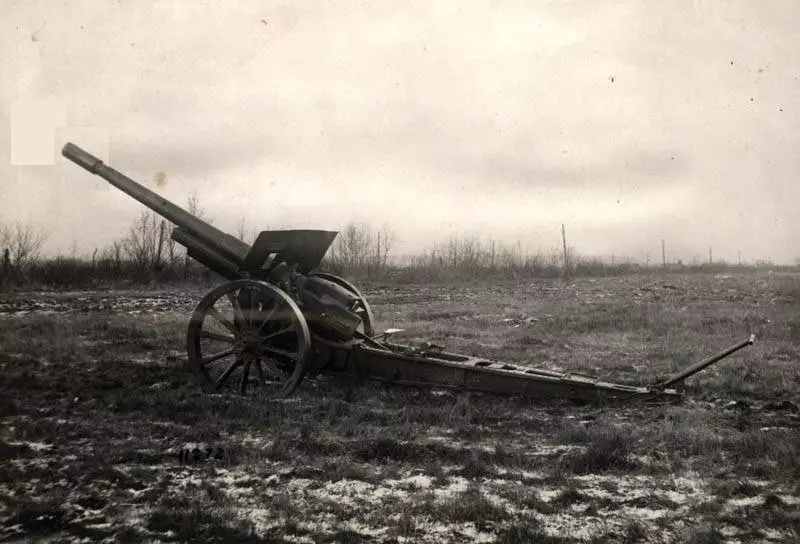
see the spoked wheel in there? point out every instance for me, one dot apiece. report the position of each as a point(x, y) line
point(363, 310)
point(249, 331)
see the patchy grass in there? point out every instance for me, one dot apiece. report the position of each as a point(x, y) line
point(706, 535)
point(470, 505)
point(96, 404)
point(198, 524)
point(607, 448)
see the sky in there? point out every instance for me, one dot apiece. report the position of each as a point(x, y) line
point(627, 121)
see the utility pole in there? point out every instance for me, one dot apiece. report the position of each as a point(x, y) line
point(663, 254)
point(709, 255)
point(740, 257)
point(564, 241)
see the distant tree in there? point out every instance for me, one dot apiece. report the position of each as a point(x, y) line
point(111, 256)
point(193, 207)
point(117, 248)
point(241, 232)
point(353, 247)
point(386, 240)
point(141, 244)
point(571, 258)
point(464, 253)
point(24, 242)
point(244, 233)
point(172, 249)
point(156, 262)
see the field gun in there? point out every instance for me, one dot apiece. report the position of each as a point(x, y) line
point(278, 319)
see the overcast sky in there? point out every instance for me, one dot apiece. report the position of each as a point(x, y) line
point(627, 121)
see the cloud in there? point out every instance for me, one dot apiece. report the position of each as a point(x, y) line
point(666, 165)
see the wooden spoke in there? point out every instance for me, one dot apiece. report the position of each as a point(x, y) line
point(263, 332)
point(237, 309)
point(216, 336)
point(294, 356)
point(213, 312)
point(278, 333)
point(205, 361)
point(251, 306)
point(224, 376)
point(268, 316)
point(245, 376)
point(262, 379)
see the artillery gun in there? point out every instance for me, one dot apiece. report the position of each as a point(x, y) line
point(278, 319)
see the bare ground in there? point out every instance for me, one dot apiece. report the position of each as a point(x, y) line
point(96, 406)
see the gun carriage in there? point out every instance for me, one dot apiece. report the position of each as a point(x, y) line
point(278, 319)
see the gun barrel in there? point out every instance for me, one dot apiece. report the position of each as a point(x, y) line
point(207, 256)
point(233, 249)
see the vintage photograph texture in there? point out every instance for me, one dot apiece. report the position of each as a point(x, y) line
point(399, 272)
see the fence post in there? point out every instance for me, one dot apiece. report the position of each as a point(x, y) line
point(564, 241)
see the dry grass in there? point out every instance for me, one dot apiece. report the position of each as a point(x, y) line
point(95, 403)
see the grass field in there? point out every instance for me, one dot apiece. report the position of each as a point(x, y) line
point(96, 402)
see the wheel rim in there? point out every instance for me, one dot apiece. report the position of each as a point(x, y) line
point(249, 331)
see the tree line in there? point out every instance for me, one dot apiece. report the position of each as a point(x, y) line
point(147, 254)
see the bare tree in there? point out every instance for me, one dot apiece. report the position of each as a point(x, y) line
point(160, 245)
point(172, 250)
point(353, 246)
point(142, 241)
point(245, 233)
point(117, 248)
point(452, 251)
point(241, 232)
point(464, 253)
point(24, 243)
point(194, 208)
point(389, 237)
point(469, 253)
point(5, 267)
